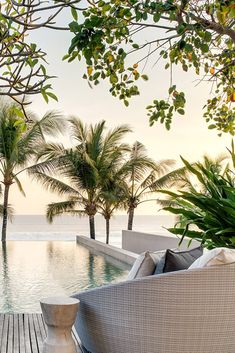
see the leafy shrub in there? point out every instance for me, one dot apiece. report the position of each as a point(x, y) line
point(207, 215)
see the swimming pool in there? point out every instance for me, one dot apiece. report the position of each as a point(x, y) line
point(31, 270)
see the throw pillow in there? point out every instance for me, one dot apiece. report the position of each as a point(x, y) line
point(215, 257)
point(160, 259)
point(143, 266)
point(176, 261)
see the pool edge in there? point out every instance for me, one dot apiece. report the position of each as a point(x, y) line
point(122, 255)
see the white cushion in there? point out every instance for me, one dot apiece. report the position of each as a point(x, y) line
point(146, 264)
point(215, 257)
point(143, 266)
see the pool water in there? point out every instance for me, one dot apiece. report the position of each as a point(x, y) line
point(32, 270)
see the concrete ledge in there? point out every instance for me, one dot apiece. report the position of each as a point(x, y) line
point(125, 256)
point(139, 242)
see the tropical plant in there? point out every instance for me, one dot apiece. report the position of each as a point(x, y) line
point(206, 210)
point(84, 169)
point(19, 142)
point(198, 36)
point(139, 173)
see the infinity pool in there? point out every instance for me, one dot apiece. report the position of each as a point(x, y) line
point(37, 269)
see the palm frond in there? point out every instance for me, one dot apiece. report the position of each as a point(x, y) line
point(163, 166)
point(55, 185)
point(50, 166)
point(57, 208)
point(50, 124)
point(50, 151)
point(20, 187)
point(10, 212)
point(175, 177)
point(114, 137)
point(78, 130)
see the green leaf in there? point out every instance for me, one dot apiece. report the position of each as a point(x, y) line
point(181, 111)
point(204, 48)
point(145, 77)
point(74, 13)
point(156, 16)
point(106, 7)
point(43, 70)
point(52, 95)
point(74, 27)
point(113, 78)
point(44, 94)
point(65, 57)
point(19, 112)
point(135, 46)
point(207, 36)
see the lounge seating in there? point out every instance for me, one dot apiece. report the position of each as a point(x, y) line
point(190, 311)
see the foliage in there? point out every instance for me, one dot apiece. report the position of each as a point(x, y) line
point(19, 142)
point(22, 63)
point(112, 197)
point(10, 212)
point(139, 175)
point(197, 36)
point(207, 211)
point(85, 170)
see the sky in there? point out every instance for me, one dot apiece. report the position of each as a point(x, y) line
point(188, 136)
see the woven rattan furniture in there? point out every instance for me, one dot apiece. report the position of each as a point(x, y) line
point(190, 311)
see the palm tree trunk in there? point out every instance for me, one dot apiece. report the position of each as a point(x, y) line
point(107, 229)
point(130, 218)
point(5, 212)
point(92, 226)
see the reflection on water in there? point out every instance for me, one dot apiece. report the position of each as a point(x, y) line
point(30, 271)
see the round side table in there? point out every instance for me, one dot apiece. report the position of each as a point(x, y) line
point(59, 314)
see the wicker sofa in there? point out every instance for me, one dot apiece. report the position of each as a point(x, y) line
point(190, 311)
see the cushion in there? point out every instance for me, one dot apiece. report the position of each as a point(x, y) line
point(160, 262)
point(176, 261)
point(143, 266)
point(215, 257)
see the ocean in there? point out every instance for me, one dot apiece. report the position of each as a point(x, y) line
point(36, 227)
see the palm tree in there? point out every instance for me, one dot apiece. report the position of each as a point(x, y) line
point(112, 198)
point(140, 173)
point(185, 179)
point(83, 170)
point(18, 145)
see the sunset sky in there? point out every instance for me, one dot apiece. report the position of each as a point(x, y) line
point(189, 135)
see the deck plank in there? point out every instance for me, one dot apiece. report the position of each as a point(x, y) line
point(23, 333)
point(32, 335)
point(38, 334)
point(41, 326)
point(1, 327)
point(10, 335)
point(5, 334)
point(27, 335)
point(16, 346)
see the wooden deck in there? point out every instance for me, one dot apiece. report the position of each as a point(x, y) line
point(23, 333)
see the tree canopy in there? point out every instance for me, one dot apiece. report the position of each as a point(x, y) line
point(23, 69)
point(195, 35)
point(84, 171)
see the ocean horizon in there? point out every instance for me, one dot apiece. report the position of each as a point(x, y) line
point(36, 227)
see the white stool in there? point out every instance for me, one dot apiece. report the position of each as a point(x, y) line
point(59, 314)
